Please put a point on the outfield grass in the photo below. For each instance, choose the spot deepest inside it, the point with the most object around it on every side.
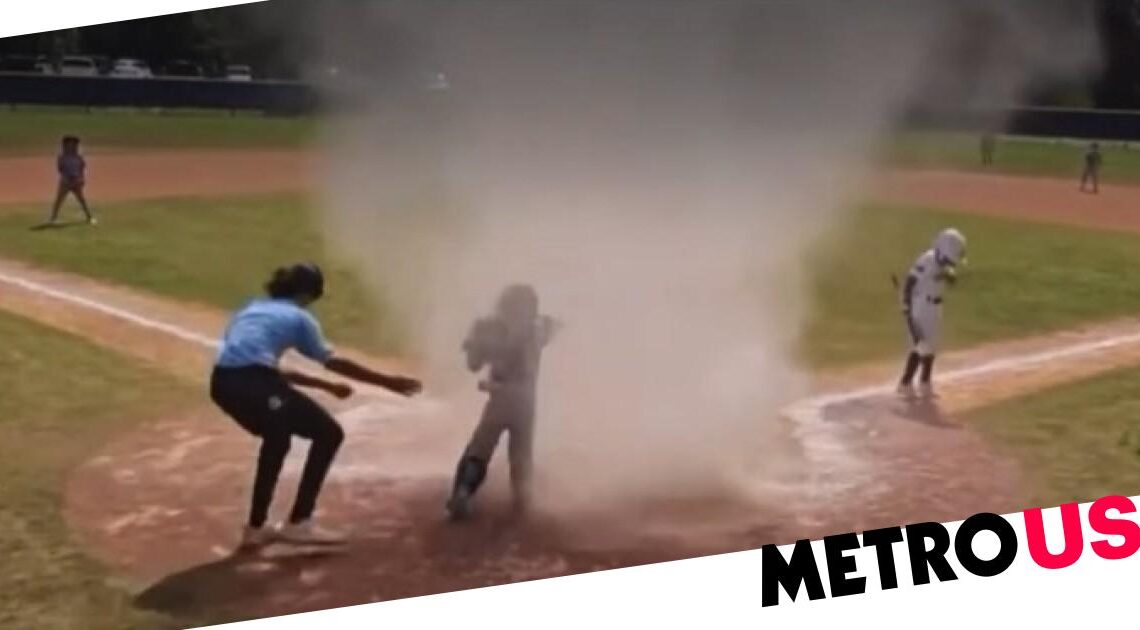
(38, 131)
(62, 398)
(1076, 442)
(35, 131)
(1022, 279)
(1015, 156)
(218, 252)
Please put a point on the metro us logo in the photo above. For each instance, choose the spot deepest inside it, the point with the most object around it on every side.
(928, 545)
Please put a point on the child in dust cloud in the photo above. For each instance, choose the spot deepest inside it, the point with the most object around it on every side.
(510, 343)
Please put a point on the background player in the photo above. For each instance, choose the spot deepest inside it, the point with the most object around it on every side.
(988, 146)
(72, 170)
(922, 307)
(511, 343)
(248, 385)
(1092, 169)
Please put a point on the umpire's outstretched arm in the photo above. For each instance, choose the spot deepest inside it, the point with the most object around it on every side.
(402, 385)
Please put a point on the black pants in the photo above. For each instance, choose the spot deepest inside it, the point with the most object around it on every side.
(265, 405)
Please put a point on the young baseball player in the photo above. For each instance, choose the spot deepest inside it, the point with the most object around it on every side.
(248, 385)
(1092, 169)
(72, 170)
(510, 344)
(988, 145)
(922, 307)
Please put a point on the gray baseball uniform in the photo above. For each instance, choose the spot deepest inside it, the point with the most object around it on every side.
(72, 168)
(513, 357)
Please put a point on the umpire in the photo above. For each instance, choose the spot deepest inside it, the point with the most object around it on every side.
(249, 386)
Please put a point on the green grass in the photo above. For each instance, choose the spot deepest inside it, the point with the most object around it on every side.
(1077, 442)
(62, 398)
(27, 132)
(1016, 156)
(212, 251)
(1022, 279)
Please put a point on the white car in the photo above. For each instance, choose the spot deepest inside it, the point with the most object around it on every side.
(131, 69)
(75, 66)
(239, 73)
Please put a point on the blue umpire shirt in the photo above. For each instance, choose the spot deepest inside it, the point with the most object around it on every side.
(262, 330)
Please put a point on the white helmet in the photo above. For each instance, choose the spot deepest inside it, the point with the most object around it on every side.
(950, 246)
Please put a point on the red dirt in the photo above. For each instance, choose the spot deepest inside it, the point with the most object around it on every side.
(121, 175)
(1022, 198)
(116, 176)
(163, 504)
(180, 485)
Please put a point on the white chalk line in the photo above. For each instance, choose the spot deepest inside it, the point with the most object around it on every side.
(368, 408)
(106, 309)
(824, 446)
(821, 445)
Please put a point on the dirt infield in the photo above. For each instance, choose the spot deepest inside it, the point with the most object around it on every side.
(179, 485)
(162, 505)
(1022, 198)
(121, 176)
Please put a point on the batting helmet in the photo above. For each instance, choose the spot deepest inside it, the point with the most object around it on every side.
(950, 246)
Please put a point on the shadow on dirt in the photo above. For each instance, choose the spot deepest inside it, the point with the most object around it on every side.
(927, 412)
(223, 589)
(416, 553)
(866, 412)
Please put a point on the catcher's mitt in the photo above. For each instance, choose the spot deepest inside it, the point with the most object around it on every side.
(485, 340)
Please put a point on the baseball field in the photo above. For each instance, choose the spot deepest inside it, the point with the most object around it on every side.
(124, 488)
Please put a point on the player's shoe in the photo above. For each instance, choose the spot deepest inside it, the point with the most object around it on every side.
(459, 504)
(92, 221)
(906, 391)
(257, 537)
(308, 533)
(926, 391)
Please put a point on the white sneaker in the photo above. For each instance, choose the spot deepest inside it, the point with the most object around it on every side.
(92, 221)
(458, 506)
(256, 537)
(905, 391)
(926, 390)
(307, 533)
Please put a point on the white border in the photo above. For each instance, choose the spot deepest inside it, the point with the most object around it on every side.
(22, 18)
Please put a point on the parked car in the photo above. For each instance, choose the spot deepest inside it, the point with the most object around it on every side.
(182, 68)
(44, 65)
(103, 64)
(128, 68)
(78, 66)
(18, 63)
(238, 72)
